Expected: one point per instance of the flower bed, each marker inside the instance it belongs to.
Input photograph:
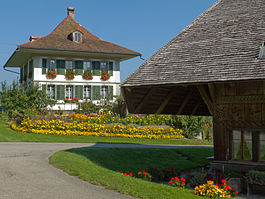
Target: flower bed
(210, 189)
(130, 119)
(59, 127)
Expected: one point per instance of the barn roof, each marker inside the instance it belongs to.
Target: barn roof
(222, 44)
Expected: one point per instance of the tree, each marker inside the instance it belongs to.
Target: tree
(18, 100)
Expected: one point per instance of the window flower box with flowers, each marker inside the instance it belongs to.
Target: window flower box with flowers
(105, 75)
(69, 75)
(87, 75)
(51, 74)
(74, 100)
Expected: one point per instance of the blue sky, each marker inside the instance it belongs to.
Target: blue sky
(140, 25)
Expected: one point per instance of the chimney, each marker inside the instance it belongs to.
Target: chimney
(33, 38)
(71, 12)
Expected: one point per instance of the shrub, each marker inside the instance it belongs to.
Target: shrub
(197, 178)
(257, 177)
(18, 100)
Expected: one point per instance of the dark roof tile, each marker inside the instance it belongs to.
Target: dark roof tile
(222, 44)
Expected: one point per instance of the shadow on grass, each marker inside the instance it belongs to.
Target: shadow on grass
(139, 157)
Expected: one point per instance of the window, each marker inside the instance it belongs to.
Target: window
(242, 145)
(51, 91)
(262, 146)
(104, 66)
(104, 92)
(69, 92)
(87, 66)
(69, 65)
(51, 65)
(87, 92)
(77, 37)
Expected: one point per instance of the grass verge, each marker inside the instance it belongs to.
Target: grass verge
(100, 165)
(8, 135)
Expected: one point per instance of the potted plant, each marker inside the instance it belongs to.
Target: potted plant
(51, 74)
(75, 100)
(105, 75)
(66, 100)
(87, 75)
(69, 75)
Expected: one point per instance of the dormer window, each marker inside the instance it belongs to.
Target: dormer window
(77, 37)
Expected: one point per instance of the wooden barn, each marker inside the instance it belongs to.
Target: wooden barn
(214, 67)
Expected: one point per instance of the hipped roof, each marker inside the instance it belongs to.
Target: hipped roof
(59, 43)
(222, 44)
(59, 39)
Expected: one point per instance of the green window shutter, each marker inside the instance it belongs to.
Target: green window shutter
(44, 66)
(96, 68)
(111, 68)
(44, 88)
(60, 91)
(60, 66)
(79, 67)
(79, 92)
(26, 71)
(31, 66)
(96, 92)
(21, 73)
(110, 89)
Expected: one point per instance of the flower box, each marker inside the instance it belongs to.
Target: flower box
(87, 75)
(105, 75)
(69, 75)
(51, 74)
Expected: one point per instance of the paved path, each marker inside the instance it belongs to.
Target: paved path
(25, 173)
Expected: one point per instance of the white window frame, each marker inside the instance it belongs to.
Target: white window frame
(87, 66)
(51, 65)
(77, 37)
(104, 92)
(87, 92)
(51, 91)
(104, 66)
(69, 92)
(69, 65)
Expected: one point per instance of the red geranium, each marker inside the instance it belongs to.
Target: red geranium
(51, 74)
(105, 75)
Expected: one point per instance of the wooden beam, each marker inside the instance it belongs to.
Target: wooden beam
(195, 108)
(212, 92)
(206, 98)
(146, 97)
(126, 92)
(184, 103)
(165, 102)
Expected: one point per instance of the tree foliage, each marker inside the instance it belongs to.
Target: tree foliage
(17, 99)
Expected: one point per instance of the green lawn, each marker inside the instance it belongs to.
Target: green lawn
(8, 135)
(100, 165)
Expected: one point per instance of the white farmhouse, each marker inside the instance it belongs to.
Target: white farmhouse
(71, 63)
